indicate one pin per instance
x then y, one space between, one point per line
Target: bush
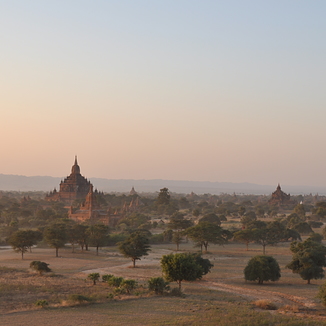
128 285
78 298
41 303
40 267
115 281
94 277
115 238
176 292
262 268
316 224
322 294
106 277
158 285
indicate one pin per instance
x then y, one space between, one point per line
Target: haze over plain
229 91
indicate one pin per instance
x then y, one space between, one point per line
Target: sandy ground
112 263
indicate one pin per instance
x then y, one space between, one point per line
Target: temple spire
75 168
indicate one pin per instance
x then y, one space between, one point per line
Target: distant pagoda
74 187
279 197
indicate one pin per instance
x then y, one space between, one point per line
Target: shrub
176 292
128 285
262 268
78 298
158 285
106 277
322 293
41 303
94 277
40 267
115 281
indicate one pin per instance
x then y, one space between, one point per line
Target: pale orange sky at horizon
179 91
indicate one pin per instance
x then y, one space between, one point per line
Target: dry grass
265 304
206 300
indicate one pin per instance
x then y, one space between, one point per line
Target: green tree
245 236
300 210
98 235
248 218
75 234
163 197
183 267
206 232
303 228
273 233
22 240
211 218
94 277
40 267
178 223
262 268
308 259
55 235
135 246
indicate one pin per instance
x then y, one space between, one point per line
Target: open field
221 296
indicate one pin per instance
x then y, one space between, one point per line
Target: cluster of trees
58 233
308 260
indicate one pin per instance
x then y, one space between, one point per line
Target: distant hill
45 183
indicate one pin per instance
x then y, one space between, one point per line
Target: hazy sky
230 91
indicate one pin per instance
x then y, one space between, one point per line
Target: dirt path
254 294
153 259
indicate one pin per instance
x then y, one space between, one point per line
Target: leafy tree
242 210
308 259
98 235
248 218
211 218
76 233
40 267
82 235
163 197
158 285
196 212
94 277
303 228
270 235
178 224
135 246
316 237
262 268
135 220
183 267
292 234
293 219
55 236
300 210
206 232
22 240
245 236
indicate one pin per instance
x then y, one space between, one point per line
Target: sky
227 91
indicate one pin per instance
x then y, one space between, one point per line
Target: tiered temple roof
73 187
279 197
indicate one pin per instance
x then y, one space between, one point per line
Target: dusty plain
221 296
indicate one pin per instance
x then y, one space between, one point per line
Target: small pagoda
279 197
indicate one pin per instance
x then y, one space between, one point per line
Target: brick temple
73 187
279 197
